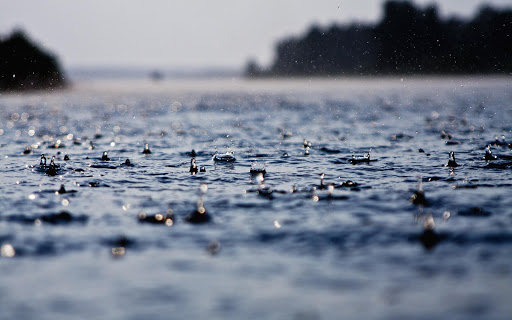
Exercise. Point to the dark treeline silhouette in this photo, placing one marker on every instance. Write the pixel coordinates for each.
(24, 66)
(408, 40)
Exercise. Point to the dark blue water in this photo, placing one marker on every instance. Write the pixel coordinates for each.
(286, 247)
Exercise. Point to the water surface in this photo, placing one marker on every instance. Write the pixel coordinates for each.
(297, 252)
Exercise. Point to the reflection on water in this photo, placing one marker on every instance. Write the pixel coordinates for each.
(304, 224)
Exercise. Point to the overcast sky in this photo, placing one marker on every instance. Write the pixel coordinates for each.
(177, 34)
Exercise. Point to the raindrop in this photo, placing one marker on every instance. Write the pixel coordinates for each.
(7, 251)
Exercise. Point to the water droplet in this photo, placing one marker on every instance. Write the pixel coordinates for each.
(118, 252)
(214, 246)
(7, 251)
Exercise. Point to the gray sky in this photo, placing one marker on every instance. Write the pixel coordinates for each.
(177, 34)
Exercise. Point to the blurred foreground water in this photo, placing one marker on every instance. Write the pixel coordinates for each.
(286, 245)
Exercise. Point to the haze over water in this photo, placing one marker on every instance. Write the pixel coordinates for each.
(282, 249)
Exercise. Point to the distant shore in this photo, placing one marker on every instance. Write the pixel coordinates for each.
(407, 41)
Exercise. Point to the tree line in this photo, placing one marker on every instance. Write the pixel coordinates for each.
(407, 40)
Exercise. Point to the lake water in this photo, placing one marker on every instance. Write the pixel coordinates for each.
(282, 248)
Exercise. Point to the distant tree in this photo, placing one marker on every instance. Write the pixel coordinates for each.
(24, 66)
(253, 69)
(409, 39)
